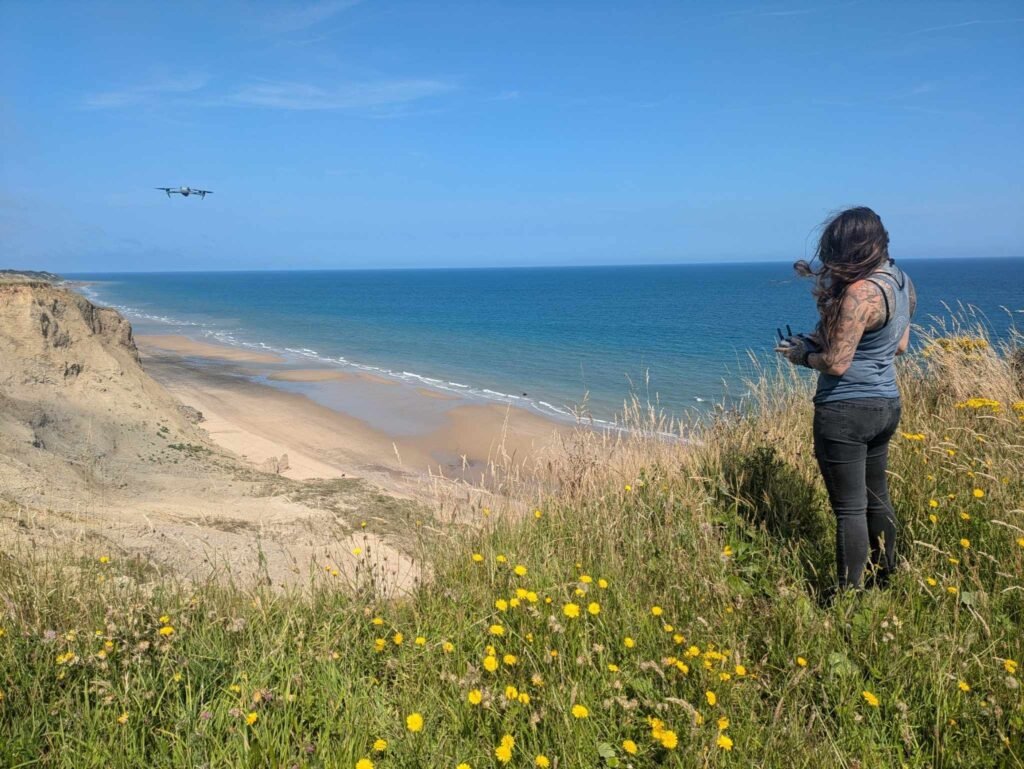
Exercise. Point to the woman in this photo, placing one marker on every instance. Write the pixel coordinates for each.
(865, 303)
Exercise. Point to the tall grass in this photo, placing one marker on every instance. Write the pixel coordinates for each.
(672, 589)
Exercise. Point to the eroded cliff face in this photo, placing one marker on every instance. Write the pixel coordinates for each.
(75, 403)
(50, 335)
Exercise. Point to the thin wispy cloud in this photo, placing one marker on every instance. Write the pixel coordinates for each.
(307, 15)
(971, 23)
(348, 96)
(146, 93)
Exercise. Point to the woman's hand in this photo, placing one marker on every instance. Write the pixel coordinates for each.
(793, 352)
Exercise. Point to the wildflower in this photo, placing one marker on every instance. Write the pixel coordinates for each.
(510, 659)
(932, 582)
(801, 662)
(586, 579)
(933, 518)
(448, 647)
(628, 487)
(657, 611)
(523, 698)
(511, 692)
(380, 745)
(913, 436)
(580, 711)
(933, 503)
(669, 740)
(542, 761)
(571, 610)
(251, 717)
(520, 570)
(123, 718)
(497, 630)
(630, 747)
(463, 765)
(963, 686)
(869, 698)
(420, 641)
(537, 514)
(414, 722)
(364, 763)
(475, 697)
(164, 620)
(378, 621)
(357, 551)
(104, 559)
(978, 493)
(1010, 666)
(953, 590)
(397, 639)
(477, 558)
(711, 697)
(724, 742)
(504, 750)
(1020, 541)
(741, 670)
(379, 644)
(965, 516)
(613, 668)
(628, 642)
(965, 543)
(166, 631)
(500, 558)
(727, 551)
(723, 723)
(594, 608)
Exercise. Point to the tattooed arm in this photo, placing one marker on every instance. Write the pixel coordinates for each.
(905, 339)
(862, 308)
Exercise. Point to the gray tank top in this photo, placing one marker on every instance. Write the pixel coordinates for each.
(872, 374)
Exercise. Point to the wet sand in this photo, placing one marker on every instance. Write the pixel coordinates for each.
(424, 433)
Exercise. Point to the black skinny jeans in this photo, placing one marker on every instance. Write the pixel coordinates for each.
(851, 444)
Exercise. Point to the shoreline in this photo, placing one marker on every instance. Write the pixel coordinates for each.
(334, 424)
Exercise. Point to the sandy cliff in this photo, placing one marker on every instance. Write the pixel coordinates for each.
(94, 453)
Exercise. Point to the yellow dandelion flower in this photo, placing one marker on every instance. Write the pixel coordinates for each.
(933, 518)
(724, 742)
(723, 723)
(711, 697)
(978, 493)
(364, 763)
(963, 686)
(964, 516)
(510, 659)
(520, 570)
(504, 750)
(379, 644)
(741, 670)
(801, 662)
(477, 558)
(496, 630)
(1020, 541)
(380, 745)
(501, 558)
(668, 739)
(628, 487)
(524, 698)
(414, 722)
(464, 765)
(657, 611)
(378, 621)
(166, 631)
(542, 761)
(164, 619)
(965, 543)
(571, 610)
(613, 668)
(628, 642)
(933, 503)
(104, 559)
(420, 641)
(397, 639)
(357, 551)
(594, 608)
(448, 647)
(537, 514)
(630, 747)
(1010, 666)
(932, 582)
(475, 697)
(586, 579)
(123, 718)
(251, 717)
(490, 663)
(953, 590)
(580, 711)
(869, 698)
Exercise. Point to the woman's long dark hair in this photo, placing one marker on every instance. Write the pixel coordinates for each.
(853, 244)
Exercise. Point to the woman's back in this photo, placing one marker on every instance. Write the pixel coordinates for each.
(872, 372)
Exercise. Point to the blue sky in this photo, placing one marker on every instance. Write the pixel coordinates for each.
(389, 134)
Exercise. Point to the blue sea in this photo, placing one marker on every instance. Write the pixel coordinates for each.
(548, 339)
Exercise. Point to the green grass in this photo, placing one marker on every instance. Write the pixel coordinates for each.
(731, 539)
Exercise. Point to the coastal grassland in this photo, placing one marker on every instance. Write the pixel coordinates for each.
(658, 604)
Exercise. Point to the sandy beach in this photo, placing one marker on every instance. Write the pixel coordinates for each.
(385, 431)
